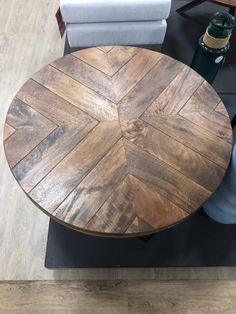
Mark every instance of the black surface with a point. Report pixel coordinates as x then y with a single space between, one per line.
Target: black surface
198 241
190 5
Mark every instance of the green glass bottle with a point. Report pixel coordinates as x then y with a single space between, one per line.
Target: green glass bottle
213 46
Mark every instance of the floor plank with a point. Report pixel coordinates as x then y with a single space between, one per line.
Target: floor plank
182 297
103 297
118 297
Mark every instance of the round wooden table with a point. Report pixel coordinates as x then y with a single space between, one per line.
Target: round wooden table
117 141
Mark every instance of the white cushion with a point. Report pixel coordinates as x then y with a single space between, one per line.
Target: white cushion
89 11
125 33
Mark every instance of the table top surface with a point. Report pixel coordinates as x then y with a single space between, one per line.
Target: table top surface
117 141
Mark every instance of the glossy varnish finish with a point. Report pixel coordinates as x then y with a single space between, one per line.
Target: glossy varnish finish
118 141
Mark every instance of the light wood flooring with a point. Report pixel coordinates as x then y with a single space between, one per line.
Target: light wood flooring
29 39
118 297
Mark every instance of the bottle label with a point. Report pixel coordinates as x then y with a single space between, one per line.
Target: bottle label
213 42
219 59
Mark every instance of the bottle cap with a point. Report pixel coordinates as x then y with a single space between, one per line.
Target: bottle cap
221 25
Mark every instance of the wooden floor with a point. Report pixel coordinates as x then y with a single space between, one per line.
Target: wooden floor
29 39
118 297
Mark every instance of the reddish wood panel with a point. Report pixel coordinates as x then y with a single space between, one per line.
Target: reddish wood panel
118 141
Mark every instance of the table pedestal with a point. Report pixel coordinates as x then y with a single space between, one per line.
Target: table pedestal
199 241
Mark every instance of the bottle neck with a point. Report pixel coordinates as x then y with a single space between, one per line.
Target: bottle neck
214 42
219 31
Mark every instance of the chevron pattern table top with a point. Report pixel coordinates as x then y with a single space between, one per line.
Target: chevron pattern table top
117 141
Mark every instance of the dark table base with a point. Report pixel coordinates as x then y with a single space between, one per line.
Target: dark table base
199 241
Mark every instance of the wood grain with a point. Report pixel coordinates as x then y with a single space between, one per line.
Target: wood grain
137 225
128 203
165 179
193 136
86 75
181 297
161 213
40 161
204 99
31 129
147 90
113 88
118 297
221 108
99 184
185 160
89 101
211 121
108 63
24 228
8 131
105 49
176 94
117 141
134 71
64 297
117 212
52 190
44 101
